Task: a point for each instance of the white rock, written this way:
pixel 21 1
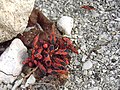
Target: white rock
pixel 14 15
pixel 17 83
pixel 31 80
pixel 87 65
pixel 65 24
pixel 11 60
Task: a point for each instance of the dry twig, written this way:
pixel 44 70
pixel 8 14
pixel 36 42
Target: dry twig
pixel 24 79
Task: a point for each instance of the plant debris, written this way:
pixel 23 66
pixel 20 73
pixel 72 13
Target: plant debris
pixel 37 18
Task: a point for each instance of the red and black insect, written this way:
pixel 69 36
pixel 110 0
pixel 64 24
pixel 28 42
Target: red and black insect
pixel 50 56
pixel 88 7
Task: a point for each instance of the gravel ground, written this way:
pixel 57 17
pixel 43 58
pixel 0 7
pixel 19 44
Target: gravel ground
pixel 97 33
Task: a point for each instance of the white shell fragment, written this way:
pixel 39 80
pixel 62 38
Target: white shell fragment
pixel 65 24
pixel 11 61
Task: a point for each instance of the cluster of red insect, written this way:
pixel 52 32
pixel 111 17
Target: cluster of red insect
pixel 50 56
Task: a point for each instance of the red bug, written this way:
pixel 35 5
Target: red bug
pixel 47 61
pixel 58 66
pixel 42 68
pixel 60 61
pixel 30 64
pixel 88 7
pixel 45 45
pixel 35 62
pixel 53 38
pixel 35 41
pixel 61 52
pixel 70 45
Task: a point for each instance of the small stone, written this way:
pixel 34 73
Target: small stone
pixel 31 80
pixel 95 14
pixel 65 24
pixel 83 47
pixel 90 72
pixel 84 58
pixel 11 61
pixel 22 74
pixel 4 88
pixel 9 86
pixel 95 88
pixel 113 33
pixel 85 72
pixel 112 78
pixel 65 88
pixel 77 62
pixel 117 19
pixel 92 81
pixel 17 83
pixel 104 70
pixel 23 87
pixel 103 37
pixel 87 65
pixel 79 50
pixel 93 53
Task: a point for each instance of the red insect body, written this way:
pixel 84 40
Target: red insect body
pixel 24 62
pixel 47 61
pixel 36 40
pixel 49 70
pixel 41 67
pixel 66 61
pixel 73 49
pixel 35 62
pixel 60 61
pixel 53 38
pixel 40 50
pixel 61 52
pixel 87 7
pixel 69 42
pixel 30 64
pixel 32 57
pixel 61 71
pixel 45 45
pixel 70 45
pixel 33 51
pixel 39 56
pixel 58 66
